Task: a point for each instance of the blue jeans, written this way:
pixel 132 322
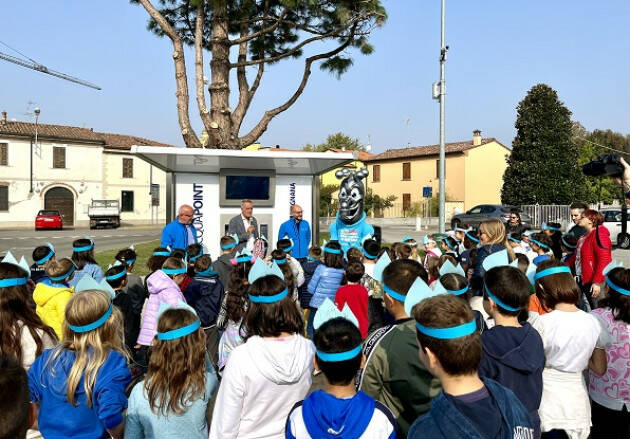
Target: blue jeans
pixel 309 324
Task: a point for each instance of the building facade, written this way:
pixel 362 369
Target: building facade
pixel 66 168
pixel 474 174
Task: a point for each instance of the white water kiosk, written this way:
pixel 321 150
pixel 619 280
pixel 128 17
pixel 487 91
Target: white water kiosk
pixel 214 181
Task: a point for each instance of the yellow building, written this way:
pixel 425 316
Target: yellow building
pixel 474 173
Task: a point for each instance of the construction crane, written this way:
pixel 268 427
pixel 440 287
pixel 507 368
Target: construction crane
pixel 32 64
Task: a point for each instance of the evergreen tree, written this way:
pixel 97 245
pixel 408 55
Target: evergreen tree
pixel 543 167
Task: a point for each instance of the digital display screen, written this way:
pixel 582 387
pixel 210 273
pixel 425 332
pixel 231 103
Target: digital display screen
pixel 240 187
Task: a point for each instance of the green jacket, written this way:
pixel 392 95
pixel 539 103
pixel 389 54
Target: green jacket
pixel 394 375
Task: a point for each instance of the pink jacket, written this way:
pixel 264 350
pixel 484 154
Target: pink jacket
pixel 161 289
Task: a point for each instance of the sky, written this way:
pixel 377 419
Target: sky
pixel 498 51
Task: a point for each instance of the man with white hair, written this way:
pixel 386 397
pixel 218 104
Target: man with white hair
pixel 180 233
pixel 245 226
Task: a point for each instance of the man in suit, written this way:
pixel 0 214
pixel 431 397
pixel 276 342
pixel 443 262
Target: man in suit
pixel 245 226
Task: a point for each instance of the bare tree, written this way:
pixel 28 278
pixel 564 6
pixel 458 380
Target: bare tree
pixel 264 32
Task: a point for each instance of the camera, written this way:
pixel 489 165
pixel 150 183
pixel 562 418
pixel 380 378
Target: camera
pixel 606 165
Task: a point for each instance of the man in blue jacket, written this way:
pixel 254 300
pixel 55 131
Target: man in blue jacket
pixel 180 233
pixel 299 231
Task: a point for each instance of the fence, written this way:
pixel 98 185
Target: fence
pixel 423 210
pixel 540 213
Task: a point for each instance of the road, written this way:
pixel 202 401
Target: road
pixel 22 242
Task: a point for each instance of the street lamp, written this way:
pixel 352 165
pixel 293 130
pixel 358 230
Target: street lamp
pixel 37 111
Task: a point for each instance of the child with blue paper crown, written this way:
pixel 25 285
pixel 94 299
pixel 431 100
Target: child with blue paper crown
pixel 172 399
pixel 80 384
pixel 116 278
pixel 52 295
pixel 83 259
pixel 339 411
pixel 41 255
pixel 468 407
pixel 271 371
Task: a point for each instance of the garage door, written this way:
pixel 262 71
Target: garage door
pixel 61 199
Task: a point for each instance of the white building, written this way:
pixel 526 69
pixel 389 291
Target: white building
pixel 68 167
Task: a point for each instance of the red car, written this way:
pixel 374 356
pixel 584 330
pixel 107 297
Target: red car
pixel 48 219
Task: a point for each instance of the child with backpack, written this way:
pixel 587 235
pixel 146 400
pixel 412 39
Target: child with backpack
pixel 80 384
pixel 513 353
pixel 269 373
pixel 468 406
pixel 173 398
pixel 339 410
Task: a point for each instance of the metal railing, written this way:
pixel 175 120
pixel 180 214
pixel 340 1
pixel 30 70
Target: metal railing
pixel 539 213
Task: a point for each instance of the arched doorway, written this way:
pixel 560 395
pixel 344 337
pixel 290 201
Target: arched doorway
pixel 61 199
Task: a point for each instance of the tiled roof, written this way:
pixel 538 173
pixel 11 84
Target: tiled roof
pixel 428 150
pixel 362 155
pixel 76 134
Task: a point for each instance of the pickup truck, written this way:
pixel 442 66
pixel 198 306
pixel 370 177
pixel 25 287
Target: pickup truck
pixel 104 213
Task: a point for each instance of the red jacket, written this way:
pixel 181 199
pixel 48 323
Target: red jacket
pixel 593 257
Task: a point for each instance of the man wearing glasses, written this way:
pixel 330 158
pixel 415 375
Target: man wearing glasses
pixel 297 230
pixel 515 225
pixel 577 212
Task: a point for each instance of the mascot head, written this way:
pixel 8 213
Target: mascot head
pixel 351 194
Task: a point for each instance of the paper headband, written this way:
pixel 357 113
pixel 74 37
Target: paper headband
pixel 84 248
pixel 546 226
pixel 234 236
pixel 448 333
pixel 16 281
pixel 174 271
pixel 179 332
pixel 48 256
pixel 448 267
pixel 328 311
pixel 94 325
pixel 210 271
pixel 259 270
pixel 538 243
pixel 472 238
pixel 64 276
pixel 161 253
pixel 566 244
pixel 243 256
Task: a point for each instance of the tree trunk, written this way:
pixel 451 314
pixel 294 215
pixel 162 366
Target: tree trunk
pixel 220 134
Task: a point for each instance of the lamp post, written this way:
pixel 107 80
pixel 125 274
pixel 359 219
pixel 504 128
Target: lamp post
pixel 443 50
pixel 36 111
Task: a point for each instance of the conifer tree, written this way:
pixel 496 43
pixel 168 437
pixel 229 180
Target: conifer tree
pixel 543 167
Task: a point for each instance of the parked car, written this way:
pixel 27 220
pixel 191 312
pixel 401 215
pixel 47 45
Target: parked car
pixel 612 221
pixel 478 214
pixel 48 219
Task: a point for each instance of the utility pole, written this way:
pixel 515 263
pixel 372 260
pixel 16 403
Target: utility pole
pixel 443 49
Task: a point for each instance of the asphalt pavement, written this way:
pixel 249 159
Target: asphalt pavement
pixel 22 242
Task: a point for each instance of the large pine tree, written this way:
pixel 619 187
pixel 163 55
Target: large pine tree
pixel 543 167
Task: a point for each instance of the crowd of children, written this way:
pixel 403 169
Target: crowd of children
pixel 470 334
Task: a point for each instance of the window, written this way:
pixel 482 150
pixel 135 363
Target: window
pixel 4 198
pixel 127 166
pixel 406 201
pixel 4 154
pixel 611 216
pixel 475 210
pixel 437 168
pixel 126 201
pixel 406 171
pixel 376 173
pixel 59 157
pixel 487 209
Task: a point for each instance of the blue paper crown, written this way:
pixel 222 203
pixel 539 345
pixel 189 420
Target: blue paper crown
pixel 369 256
pixel 174 271
pixel 234 236
pixel 472 238
pixel 48 256
pixel 63 276
pixel 552 270
pixel 210 271
pixel 17 281
pixel 339 356
pixel 87 282
pixel 179 332
pixel 84 248
pixel 538 243
pixel 161 253
pixel 546 226
pixel 448 267
pixel 499 302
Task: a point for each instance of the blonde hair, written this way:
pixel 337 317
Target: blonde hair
pixel 91 348
pixel 495 230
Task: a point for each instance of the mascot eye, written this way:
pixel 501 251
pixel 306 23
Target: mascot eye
pixel 342 193
pixel 355 194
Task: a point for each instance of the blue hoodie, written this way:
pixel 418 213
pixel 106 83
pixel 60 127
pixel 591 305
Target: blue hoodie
pixel 58 419
pixel 515 358
pixel 325 416
pixel 445 421
pixel 300 233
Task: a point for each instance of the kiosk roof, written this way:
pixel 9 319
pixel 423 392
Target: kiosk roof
pixel 209 161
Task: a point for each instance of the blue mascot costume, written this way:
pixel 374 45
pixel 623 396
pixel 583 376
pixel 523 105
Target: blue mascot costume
pixel 351 228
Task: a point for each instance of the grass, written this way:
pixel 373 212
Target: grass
pixel 143 251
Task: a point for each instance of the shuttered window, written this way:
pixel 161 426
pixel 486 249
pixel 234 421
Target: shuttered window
pixel 127 168
pixel 4 154
pixel 376 173
pixel 59 157
pixel 406 201
pixel 406 171
pixel 4 198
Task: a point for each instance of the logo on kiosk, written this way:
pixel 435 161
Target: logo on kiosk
pixel 198 210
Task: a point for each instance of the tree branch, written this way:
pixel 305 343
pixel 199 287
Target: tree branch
pixel 245 38
pixel 261 127
pixel 189 135
pixel 290 52
pixel 199 82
